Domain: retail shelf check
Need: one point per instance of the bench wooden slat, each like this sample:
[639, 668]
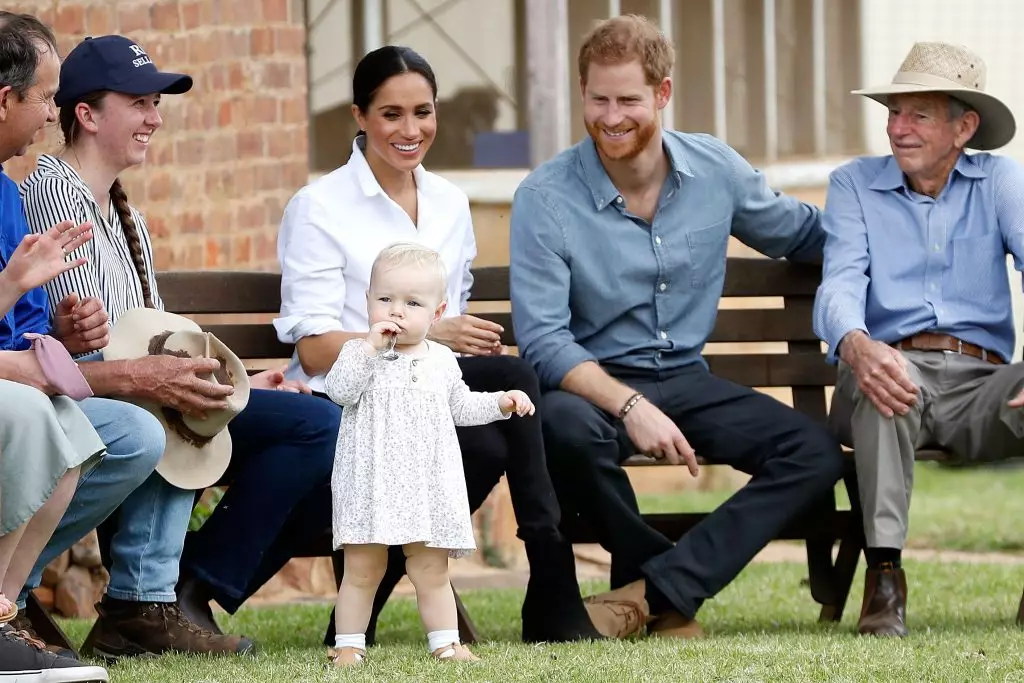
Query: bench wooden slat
[774, 370]
[770, 277]
[676, 524]
[190, 291]
[253, 340]
[490, 283]
[747, 277]
[792, 323]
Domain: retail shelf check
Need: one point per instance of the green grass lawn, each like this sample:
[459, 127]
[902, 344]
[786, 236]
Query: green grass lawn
[977, 509]
[761, 628]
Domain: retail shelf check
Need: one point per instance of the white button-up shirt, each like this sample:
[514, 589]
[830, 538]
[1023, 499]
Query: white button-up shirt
[333, 229]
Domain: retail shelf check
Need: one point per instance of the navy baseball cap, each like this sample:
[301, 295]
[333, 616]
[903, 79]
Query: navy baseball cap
[114, 63]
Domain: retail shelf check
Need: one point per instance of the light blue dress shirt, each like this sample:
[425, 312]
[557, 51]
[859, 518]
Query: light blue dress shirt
[898, 263]
[592, 282]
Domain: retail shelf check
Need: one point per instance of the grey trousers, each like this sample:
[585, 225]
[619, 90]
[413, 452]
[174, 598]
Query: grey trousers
[961, 408]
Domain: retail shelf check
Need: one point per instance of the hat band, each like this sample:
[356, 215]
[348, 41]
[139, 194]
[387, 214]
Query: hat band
[928, 81]
[174, 417]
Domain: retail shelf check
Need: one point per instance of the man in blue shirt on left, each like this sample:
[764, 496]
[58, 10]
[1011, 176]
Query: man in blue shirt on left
[145, 552]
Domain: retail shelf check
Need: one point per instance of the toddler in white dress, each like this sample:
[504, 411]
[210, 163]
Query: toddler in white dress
[398, 476]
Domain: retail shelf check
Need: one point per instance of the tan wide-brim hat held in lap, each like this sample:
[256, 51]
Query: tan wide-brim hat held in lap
[198, 450]
[960, 73]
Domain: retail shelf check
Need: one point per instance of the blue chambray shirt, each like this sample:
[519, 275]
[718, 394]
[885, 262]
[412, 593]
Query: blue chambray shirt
[31, 313]
[898, 263]
[590, 281]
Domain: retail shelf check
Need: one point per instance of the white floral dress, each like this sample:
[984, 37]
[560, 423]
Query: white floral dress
[398, 468]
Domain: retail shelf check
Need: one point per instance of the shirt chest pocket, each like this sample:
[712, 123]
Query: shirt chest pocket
[707, 254]
[979, 267]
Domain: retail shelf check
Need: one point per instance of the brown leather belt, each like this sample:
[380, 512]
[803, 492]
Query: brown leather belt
[931, 341]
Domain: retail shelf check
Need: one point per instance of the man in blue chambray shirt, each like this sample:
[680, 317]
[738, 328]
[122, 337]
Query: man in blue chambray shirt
[915, 300]
[618, 254]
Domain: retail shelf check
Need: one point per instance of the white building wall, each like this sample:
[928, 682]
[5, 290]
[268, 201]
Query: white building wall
[989, 27]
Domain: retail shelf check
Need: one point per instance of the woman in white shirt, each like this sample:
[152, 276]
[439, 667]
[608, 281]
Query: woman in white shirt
[332, 231]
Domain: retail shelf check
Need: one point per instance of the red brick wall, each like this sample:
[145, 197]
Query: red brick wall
[231, 151]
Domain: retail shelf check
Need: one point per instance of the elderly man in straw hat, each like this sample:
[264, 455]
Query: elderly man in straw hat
[915, 302]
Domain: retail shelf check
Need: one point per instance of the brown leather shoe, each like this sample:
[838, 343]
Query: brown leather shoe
[135, 629]
[675, 625]
[884, 610]
[620, 613]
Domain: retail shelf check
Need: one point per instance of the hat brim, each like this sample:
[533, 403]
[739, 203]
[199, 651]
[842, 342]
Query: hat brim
[193, 467]
[162, 82]
[997, 126]
[183, 464]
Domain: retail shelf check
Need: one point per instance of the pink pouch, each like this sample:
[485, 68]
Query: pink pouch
[59, 367]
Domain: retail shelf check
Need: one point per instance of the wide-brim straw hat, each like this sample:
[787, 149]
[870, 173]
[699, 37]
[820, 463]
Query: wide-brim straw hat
[957, 72]
[198, 450]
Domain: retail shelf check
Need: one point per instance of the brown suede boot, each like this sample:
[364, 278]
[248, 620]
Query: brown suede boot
[135, 629]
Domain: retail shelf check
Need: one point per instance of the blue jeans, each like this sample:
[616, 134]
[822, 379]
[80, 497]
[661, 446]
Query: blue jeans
[278, 498]
[145, 565]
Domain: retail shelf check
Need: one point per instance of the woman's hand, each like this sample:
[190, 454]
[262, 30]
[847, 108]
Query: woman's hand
[274, 380]
[469, 334]
[40, 258]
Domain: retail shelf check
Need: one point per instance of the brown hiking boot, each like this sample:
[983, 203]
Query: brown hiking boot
[136, 629]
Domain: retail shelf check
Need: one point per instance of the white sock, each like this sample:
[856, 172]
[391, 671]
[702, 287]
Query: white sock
[437, 639]
[356, 640]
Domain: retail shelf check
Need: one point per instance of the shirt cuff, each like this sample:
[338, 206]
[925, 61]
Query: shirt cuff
[554, 370]
[293, 328]
[844, 328]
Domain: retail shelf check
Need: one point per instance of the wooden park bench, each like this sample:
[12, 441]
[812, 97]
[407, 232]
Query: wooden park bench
[244, 302]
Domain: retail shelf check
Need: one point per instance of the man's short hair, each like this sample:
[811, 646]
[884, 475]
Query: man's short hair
[624, 39]
[23, 38]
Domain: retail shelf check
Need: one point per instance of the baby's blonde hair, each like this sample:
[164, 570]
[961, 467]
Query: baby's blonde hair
[402, 254]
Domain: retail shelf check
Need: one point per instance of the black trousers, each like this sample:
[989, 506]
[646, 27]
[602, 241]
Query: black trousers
[794, 462]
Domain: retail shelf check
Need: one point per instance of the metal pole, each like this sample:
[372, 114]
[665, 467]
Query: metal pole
[373, 25]
[771, 89]
[665, 19]
[548, 88]
[718, 62]
[820, 94]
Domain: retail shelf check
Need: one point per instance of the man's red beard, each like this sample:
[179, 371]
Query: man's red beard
[622, 151]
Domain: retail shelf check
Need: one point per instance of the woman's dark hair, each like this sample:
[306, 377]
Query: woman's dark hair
[378, 66]
[69, 127]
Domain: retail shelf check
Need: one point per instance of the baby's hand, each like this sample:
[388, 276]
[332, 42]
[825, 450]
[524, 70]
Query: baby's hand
[517, 401]
[380, 334]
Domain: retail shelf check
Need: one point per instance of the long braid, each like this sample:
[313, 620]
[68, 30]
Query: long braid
[131, 235]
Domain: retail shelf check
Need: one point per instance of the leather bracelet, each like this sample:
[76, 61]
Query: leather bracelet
[628, 406]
